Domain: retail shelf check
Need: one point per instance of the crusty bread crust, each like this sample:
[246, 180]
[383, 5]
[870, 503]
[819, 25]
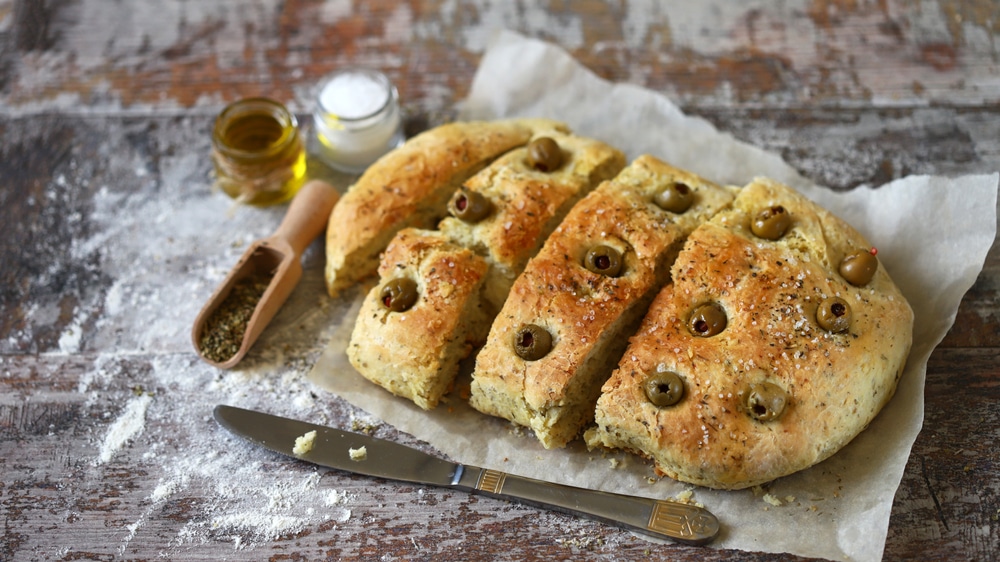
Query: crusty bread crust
[770, 290]
[414, 353]
[589, 315]
[528, 204]
[409, 187]
[417, 353]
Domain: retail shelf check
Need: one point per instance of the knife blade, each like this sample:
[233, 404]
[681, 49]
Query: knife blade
[371, 456]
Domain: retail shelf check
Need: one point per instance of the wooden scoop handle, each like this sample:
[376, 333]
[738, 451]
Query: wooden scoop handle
[307, 215]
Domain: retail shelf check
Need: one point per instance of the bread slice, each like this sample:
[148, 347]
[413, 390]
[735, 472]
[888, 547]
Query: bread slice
[416, 353]
[778, 389]
[413, 353]
[587, 315]
[410, 186]
[527, 204]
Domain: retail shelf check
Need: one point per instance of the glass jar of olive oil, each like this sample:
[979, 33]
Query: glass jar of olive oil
[258, 153]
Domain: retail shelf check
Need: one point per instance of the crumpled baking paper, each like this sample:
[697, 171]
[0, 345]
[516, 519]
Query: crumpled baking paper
[932, 233]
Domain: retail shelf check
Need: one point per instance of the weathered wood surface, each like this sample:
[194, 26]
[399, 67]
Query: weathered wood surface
[110, 103]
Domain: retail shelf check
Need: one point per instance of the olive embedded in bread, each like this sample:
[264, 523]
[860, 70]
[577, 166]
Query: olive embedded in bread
[604, 260]
[771, 223]
[532, 342]
[469, 206]
[766, 401]
[399, 294]
[859, 267]
[834, 315]
[544, 154]
[676, 197]
[664, 389]
[708, 320]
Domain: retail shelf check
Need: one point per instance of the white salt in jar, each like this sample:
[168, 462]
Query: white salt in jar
[356, 119]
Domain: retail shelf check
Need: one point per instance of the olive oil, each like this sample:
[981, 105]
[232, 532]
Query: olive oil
[258, 153]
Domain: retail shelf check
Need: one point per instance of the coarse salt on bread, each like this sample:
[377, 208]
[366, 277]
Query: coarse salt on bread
[829, 385]
[407, 352]
[409, 187]
[420, 359]
[588, 315]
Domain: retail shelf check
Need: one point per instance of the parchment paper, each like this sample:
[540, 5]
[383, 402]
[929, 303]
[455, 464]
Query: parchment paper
[932, 233]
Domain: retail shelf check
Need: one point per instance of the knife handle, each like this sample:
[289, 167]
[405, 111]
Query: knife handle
[679, 522]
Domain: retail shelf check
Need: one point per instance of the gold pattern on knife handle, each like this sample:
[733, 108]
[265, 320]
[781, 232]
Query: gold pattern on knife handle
[672, 518]
[491, 481]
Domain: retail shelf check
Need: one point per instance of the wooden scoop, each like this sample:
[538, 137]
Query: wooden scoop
[277, 257]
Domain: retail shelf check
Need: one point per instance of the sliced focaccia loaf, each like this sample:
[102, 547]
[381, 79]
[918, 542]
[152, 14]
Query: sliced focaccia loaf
[570, 313]
[778, 341]
[500, 217]
[410, 186]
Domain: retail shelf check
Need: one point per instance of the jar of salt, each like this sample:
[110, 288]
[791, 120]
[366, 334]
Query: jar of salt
[357, 119]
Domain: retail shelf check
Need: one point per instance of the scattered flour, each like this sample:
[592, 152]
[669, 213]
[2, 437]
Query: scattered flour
[129, 425]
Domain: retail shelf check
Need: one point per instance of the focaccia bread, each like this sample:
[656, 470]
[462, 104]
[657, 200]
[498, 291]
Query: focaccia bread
[403, 339]
[410, 186]
[523, 204]
[569, 314]
[778, 341]
[500, 218]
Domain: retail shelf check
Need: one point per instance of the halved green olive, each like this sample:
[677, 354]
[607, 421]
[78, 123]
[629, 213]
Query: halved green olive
[399, 294]
[664, 389]
[604, 260]
[532, 342]
[708, 320]
[771, 223]
[859, 267]
[766, 401]
[469, 206]
[544, 154]
[834, 315]
[677, 197]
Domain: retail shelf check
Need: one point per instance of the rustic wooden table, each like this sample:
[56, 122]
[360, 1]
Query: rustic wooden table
[112, 238]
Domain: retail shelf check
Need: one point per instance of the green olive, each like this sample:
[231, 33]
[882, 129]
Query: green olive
[664, 389]
[604, 260]
[766, 401]
[676, 197]
[469, 206]
[771, 223]
[859, 267]
[544, 154]
[532, 342]
[707, 320]
[834, 315]
[399, 294]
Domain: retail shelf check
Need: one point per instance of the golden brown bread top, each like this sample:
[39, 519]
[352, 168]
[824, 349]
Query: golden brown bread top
[445, 274]
[577, 306]
[770, 290]
[410, 187]
[527, 204]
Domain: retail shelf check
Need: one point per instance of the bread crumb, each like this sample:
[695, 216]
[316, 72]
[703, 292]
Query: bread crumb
[362, 426]
[614, 463]
[358, 454]
[772, 500]
[304, 443]
[687, 497]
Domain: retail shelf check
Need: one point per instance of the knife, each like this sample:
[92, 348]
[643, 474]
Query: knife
[370, 456]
